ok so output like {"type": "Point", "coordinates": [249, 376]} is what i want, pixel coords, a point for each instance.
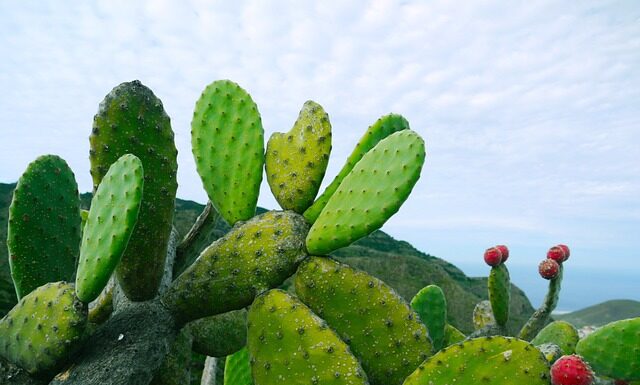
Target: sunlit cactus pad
{"type": "Point", "coordinates": [237, 368]}
{"type": "Point", "coordinates": [560, 333]}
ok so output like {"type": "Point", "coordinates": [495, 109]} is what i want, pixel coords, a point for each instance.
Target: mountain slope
{"type": "Point", "coordinates": [602, 313]}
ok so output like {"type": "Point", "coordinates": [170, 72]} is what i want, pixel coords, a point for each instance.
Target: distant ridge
{"type": "Point", "coordinates": [602, 313]}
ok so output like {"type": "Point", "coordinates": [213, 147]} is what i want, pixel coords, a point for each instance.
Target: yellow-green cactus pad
{"type": "Point", "coordinates": [452, 335]}
{"type": "Point", "coordinates": [228, 146]}
{"type": "Point", "coordinates": [484, 360]}
{"type": "Point", "coordinates": [288, 344]}
{"type": "Point", "coordinates": [44, 329]}
{"type": "Point", "coordinates": [297, 160]}
{"type": "Point", "coordinates": [253, 257]}
{"type": "Point", "coordinates": [112, 218]}
{"type": "Point", "coordinates": [500, 293]}
{"type": "Point", "coordinates": [560, 333]}
{"type": "Point", "coordinates": [382, 128]}
{"type": "Point", "coordinates": [380, 327]}
{"type": "Point", "coordinates": [44, 225]}
{"type": "Point", "coordinates": [614, 350]}
{"type": "Point", "coordinates": [370, 194]}
{"type": "Point", "coordinates": [237, 368]}
{"type": "Point", "coordinates": [132, 120]}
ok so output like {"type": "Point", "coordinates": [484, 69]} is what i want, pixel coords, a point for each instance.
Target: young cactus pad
{"type": "Point", "coordinates": [253, 257]}
{"type": "Point", "coordinates": [44, 329]}
{"type": "Point", "coordinates": [431, 306]}
{"type": "Point", "coordinates": [288, 344]}
{"type": "Point", "coordinates": [237, 368]}
{"type": "Point", "coordinates": [484, 360]}
{"type": "Point", "coordinates": [44, 225]}
{"type": "Point", "coordinates": [372, 192]}
{"type": "Point", "coordinates": [228, 146]}
{"type": "Point", "coordinates": [112, 218]}
{"type": "Point", "coordinates": [297, 160]}
{"type": "Point", "coordinates": [500, 293]}
{"type": "Point", "coordinates": [382, 128]}
{"type": "Point", "coordinates": [560, 333]}
{"type": "Point", "coordinates": [380, 327]}
{"type": "Point", "coordinates": [132, 120]}
{"type": "Point", "coordinates": [614, 349]}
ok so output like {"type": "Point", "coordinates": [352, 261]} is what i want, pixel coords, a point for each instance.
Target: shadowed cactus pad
{"type": "Point", "coordinates": [288, 344]}
{"type": "Point", "coordinates": [560, 333]}
{"type": "Point", "coordinates": [44, 329]}
{"type": "Point", "coordinates": [228, 146]}
{"type": "Point", "coordinates": [485, 360]}
{"type": "Point", "coordinates": [132, 120]}
{"type": "Point", "coordinates": [382, 128]}
{"type": "Point", "coordinates": [219, 335]}
{"type": "Point", "coordinates": [111, 220]}
{"type": "Point", "coordinates": [253, 257]}
{"type": "Point", "coordinates": [237, 368]}
{"type": "Point", "coordinates": [431, 306]}
{"type": "Point", "coordinates": [297, 160]}
{"type": "Point", "coordinates": [382, 330]}
{"type": "Point", "coordinates": [373, 191]}
{"type": "Point", "coordinates": [44, 225]}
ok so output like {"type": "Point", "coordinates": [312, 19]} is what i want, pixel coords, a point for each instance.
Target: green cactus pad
{"type": "Point", "coordinates": [380, 327]}
{"type": "Point", "coordinates": [540, 317]}
{"type": "Point", "coordinates": [483, 315]}
{"type": "Point", "coordinates": [228, 146]}
{"type": "Point", "coordinates": [237, 369]}
{"type": "Point", "coordinates": [44, 225]}
{"type": "Point", "coordinates": [614, 350]}
{"type": "Point", "coordinates": [452, 335]}
{"type": "Point", "coordinates": [382, 128]}
{"type": "Point", "coordinates": [431, 306]}
{"type": "Point", "coordinates": [560, 333]}
{"type": "Point", "coordinates": [112, 219]}
{"type": "Point", "coordinates": [219, 335]}
{"type": "Point", "coordinates": [484, 360]}
{"type": "Point", "coordinates": [132, 120]}
{"type": "Point", "coordinates": [500, 293]}
{"type": "Point", "coordinates": [297, 160]}
{"type": "Point", "coordinates": [288, 344]}
{"type": "Point", "coordinates": [253, 257]}
{"type": "Point", "coordinates": [372, 192]}
{"type": "Point", "coordinates": [176, 367]}
{"type": "Point", "coordinates": [44, 329]}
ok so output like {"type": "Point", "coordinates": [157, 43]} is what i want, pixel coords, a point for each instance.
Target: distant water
{"type": "Point", "coordinates": [581, 286]}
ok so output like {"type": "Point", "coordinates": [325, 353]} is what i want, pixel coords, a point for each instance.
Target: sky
{"type": "Point", "coordinates": [530, 110]}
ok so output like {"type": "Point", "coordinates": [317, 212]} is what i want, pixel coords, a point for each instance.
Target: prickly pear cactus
{"type": "Point", "coordinates": [228, 147]}
{"type": "Point", "coordinates": [289, 344]}
{"type": "Point", "coordinates": [253, 257]}
{"type": "Point", "coordinates": [44, 225]}
{"type": "Point", "coordinates": [431, 306]}
{"type": "Point", "coordinates": [483, 315]}
{"type": "Point", "coordinates": [500, 293]}
{"type": "Point", "coordinates": [380, 327]}
{"type": "Point", "coordinates": [44, 329]}
{"type": "Point", "coordinates": [237, 368]}
{"type": "Point", "coordinates": [560, 333]}
{"type": "Point", "coordinates": [297, 160]}
{"type": "Point", "coordinates": [112, 218]}
{"type": "Point", "coordinates": [453, 335]}
{"type": "Point", "coordinates": [132, 120]}
{"type": "Point", "coordinates": [219, 335]}
{"type": "Point", "coordinates": [370, 194]}
{"type": "Point", "coordinates": [484, 360]}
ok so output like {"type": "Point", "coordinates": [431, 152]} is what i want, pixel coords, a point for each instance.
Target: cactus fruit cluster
{"type": "Point", "coordinates": [111, 296]}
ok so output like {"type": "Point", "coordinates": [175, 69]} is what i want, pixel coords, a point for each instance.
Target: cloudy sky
{"type": "Point", "coordinates": [530, 110]}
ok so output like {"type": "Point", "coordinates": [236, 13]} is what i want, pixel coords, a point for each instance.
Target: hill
{"type": "Point", "coordinates": [395, 262]}
{"type": "Point", "coordinates": [602, 313]}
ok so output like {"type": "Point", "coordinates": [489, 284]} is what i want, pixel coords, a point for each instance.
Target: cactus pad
{"type": "Point", "coordinates": [132, 120]}
{"type": "Point", "coordinates": [614, 349]}
{"type": "Point", "coordinates": [373, 191]}
{"type": "Point", "coordinates": [560, 333]}
{"type": "Point", "coordinates": [288, 344]}
{"type": "Point", "coordinates": [483, 315]}
{"type": "Point", "coordinates": [44, 329]}
{"type": "Point", "coordinates": [431, 306]}
{"type": "Point", "coordinates": [44, 225]}
{"type": "Point", "coordinates": [237, 369]}
{"type": "Point", "coordinates": [382, 128]}
{"type": "Point", "coordinates": [380, 327]}
{"type": "Point", "coordinates": [297, 160]}
{"type": "Point", "coordinates": [219, 335]}
{"type": "Point", "coordinates": [253, 257]}
{"type": "Point", "coordinates": [112, 218]}
{"type": "Point", "coordinates": [485, 360]}
{"type": "Point", "coordinates": [452, 335]}
{"type": "Point", "coordinates": [500, 293]}
{"type": "Point", "coordinates": [228, 146]}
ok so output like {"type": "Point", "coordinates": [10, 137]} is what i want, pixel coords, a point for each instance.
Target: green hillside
{"type": "Point", "coordinates": [602, 313]}
{"type": "Point", "coordinates": [395, 262]}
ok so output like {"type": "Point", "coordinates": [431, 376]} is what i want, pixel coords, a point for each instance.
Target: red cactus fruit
{"type": "Point", "coordinates": [493, 256]}
{"type": "Point", "coordinates": [571, 370]}
{"type": "Point", "coordinates": [565, 248]}
{"type": "Point", "coordinates": [505, 252]}
{"type": "Point", "coordinates": [548, 269]}
{"type": "Point", "coordinates": [557, 254]}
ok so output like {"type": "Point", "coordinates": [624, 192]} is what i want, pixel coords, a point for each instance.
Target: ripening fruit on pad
{"type": "Point", "coordinates": [289, 344]}
{"type": "Point", "coordinates": [112, 218]}
{"type": "Point", "coordinates": [486, 361]}
{"type": "Point", "coordinates": [44, 329]}
{"type": "Point", "coordinates": [370, 194]}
